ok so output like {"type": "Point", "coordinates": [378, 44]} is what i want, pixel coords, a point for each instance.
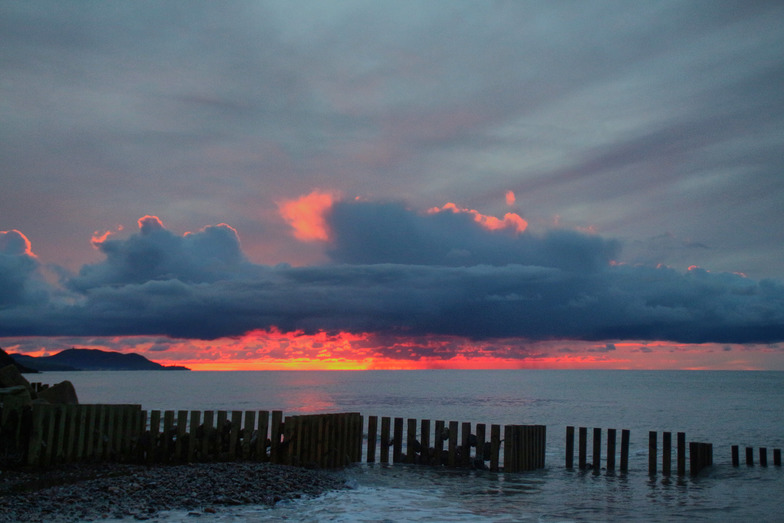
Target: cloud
{"type": "Point", "coordinates": [21, 282]}
{"type": "Point", "coordinates": [370, 232]}
{"type": "Point", "coordinates": [306, 215]}
{"type": "Point", "coordinates": [394, 276]}
{"type": "Point", "coordinates": [157, 254]}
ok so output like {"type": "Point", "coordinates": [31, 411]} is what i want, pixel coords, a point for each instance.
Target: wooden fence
{"type": "Point", "coordinates": [44, 435]}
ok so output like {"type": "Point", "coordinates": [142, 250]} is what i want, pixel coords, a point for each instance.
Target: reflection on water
{"type": "Point", "coordinates": [723, 408]}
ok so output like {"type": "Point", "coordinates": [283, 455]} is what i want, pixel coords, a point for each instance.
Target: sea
{"type": "Point", "coordinates": [725, 408]}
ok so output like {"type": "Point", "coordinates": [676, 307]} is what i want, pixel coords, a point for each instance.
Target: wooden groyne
{"type": "Point", "coordinates": [42, 435]}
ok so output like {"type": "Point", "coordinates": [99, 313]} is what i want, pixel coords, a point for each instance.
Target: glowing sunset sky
{"type": "Point", "coordinates": [362, 184]}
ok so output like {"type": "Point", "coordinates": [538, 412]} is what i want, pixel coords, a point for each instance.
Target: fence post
{"type": "Point", "coordinates": [583, 447]}
{"type": "Point", "coordinates": [569, 447]}
{"type": "Point", "coordinates": [425, 457]}
{"type": "Point", "coordinates": [681, 454]}
{"type": "Point", "coordinates": [735, 456]}
{"type": "Point", "coordinates": [652, 436]}
{"type": "Point", "coordinates": [610, 450]}
{"type": "Point", "coordinates": [750, 456]}
{"type": "Point", "coordinates": [495, 446]}
{"type": "Point", "coordinates": [666, 453]}
{"type": "Point", "coordinates": [371, 439]}
{"type": "Point", "coordinates": [597, 450]}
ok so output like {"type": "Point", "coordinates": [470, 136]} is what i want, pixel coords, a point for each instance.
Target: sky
{"type": "Point", "coordinates": [395, 185]}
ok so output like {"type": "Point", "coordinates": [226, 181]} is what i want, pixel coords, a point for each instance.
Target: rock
{"type": "Point", "coordinates": [11, 377]}
{"type": "Point", "coordinates": [13, 398]}
{"type": "Point", "coordinates": [62, 393]}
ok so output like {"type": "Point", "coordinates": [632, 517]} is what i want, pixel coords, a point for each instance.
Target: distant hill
{"type": "Point", "coordinates": [90, 359]}
{"type": "Point", "coordinates": [6, 359]}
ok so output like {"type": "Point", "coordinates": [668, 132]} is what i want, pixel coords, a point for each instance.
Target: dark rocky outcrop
{"type": "Point", "coordinates": [6, 359]}
{"type": "Point", "coordinates": [91, 359]}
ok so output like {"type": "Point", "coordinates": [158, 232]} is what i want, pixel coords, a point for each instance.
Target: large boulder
{"type": "Point", "coordinates": [62, 393]}
{"type": "Point", "coordinates": [12, 398]}
{"type": "Point", "coordinates": [11, 377]}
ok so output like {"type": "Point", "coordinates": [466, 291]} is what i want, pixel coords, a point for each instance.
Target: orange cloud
{"type": "Point", "coordinates": [15, 242]}
{"type": "Point", "coordinates": [510, 198]}
{"type": "Point", "coordinates": [510, 221]}
{"type": "Point", "coordinates": [306, 215]}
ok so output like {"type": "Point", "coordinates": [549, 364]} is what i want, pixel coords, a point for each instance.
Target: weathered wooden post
{"type": "Point", "coordinates": [652, 437]}
{"type": "Point", "coordinates": [582, 451]}
{"type": "Point", "coordinates": [495, 446]}
{"type": "Point", "coordinates": [777, 457]}
{"type": "Point", "coordinates": [735, 456]}
{"type": "Point", "coordinates": [397, 441]}
{"type": "Point", "coordinates": [411, 441]}
{"type": "Point", "coordinates": [625, 436]}
{"type": "Point", "coordinates": [261, 440]}
{"type": "Point", "coordinates": [452, 459]}
{"type": "Point", "coordinates": [480, 445]}
{"type": "Point", "coordinates": [424, 431]}
{"type": "Point", "coordinates": [385, 423]}
{"type": "Point", "coordinates": [610, 450]}
{"type": "Point", "coordinates": [371, 440]}
{"type": "Point", "coordinates": [438, 443]}
{"type": "Point", "coordinates": [465, 444]}
{"type": "Point", "coordinates": [275, 433]}
{"type": "Point", "coordinates": [597, 450]}
{"type": "Point", "coordinates": [681, 453]}
{"type": "Point", "coordinates": [750, 456]}
{"type": "Point", "coordinates": [666, 453]}
{"type": "Point", "coordinates": [763, 453]}
{"type": "Point", "coordinates": [569, 447]}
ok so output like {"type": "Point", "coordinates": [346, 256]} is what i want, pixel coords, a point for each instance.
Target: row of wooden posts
{"type": "Point", "coordinates": [43, 435]}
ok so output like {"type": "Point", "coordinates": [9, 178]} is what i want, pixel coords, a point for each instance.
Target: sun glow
{"type": "Point", "coordinates": [512, 221]}
{"type": "Point", "coordinates": [306, 215]}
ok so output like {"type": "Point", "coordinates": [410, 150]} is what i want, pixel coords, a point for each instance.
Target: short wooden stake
{"type": "Point", "coordinates": [652, 437]}
{"type": "Point", "coordinates": [465, 444]}
{"type": "Point", "coordinates": [777, 457]}
{"type": "Point", "coordinates": [610, 450]}
{"type": "Point", "coordinates": [750, 456]}
{"type": "Point", "coordinates": [371, 440]}
{"type": "Point", "coordinates": [763, 453]}
{"type": "Point", "coordinates": [452, 456]}
{"type": "Point", "coordinates": [397, 445]}
{"type": "Point", "coordinates": [385, 425]}
{"type": "Point", "coordinates": [275, 433]}
{"type": "Point", "coordinates": [597, 450]}
{"type": "Point", "coordinates": [438, 443]}
{"type": "Point", "coordinates": [495, 446]}
{"type": "Point", "coordinates": [681, 454]}
{"type": "Point", "coordinates": [582, 450]}
{"type": "Point", "coordinates": [480, 445]}
{"type": "Point", "coordinates": [666, 453]}
{"type": "Point", "coordinates": [569, 447]}
{"type": "Point", "coordinates": [411, 441]}
{"type": "Point", "coordinates": [625, 436]}
{"type": "Point", "coordinates": [735, 456]}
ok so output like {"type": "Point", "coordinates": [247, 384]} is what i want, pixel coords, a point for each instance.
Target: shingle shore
{"type": "Point", "coordinates": [90, 492]}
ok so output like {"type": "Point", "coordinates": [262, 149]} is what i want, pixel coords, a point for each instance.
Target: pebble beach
{"type": "Point", "coordinates": [94, 492]}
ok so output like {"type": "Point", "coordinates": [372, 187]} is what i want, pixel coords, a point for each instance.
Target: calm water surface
{"type": "Point", "coordinates": [724, 408]}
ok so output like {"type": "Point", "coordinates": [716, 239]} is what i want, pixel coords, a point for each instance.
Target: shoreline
{"type": "Point", "coordinates": [92, 492]}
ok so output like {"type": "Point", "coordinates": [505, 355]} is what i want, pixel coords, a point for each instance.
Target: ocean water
{"type": "Point", "coordinates": [723, 408]}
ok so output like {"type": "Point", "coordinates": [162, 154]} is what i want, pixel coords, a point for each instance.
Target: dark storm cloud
{"type": "Point", "coordinates": [605, 113]}
{"type": "Point", "coordinates": [156, 253]}
{"type": "Point", "coordinates": [199, 286]}
{"type": "Point", "coordinates": [20, 279]}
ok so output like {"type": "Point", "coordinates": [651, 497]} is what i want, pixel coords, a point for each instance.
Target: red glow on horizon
{"type": "Point", "coordinates": [275, 350]}
{"type": "Point", "coordinates": [306, 215]}
{"type": "Point", "coordinates": [511, 220]}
